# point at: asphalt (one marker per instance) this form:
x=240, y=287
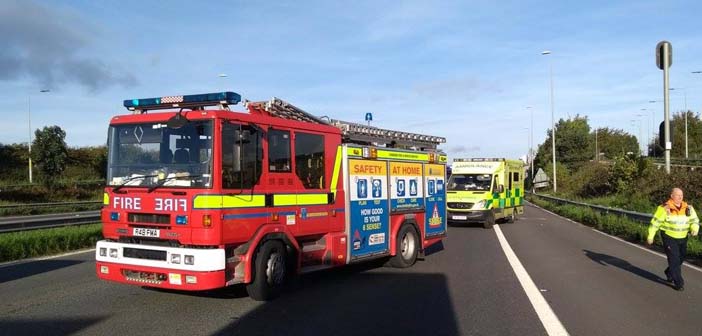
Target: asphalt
x=596, y=285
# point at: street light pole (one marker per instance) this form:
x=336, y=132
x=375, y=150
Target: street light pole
x=553, y=122
x=29, y=126
x=531, y=143
x=685, y=97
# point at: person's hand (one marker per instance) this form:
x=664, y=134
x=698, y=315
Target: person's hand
x=649, y=241
x=694, y=233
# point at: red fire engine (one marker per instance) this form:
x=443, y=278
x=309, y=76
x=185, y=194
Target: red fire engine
x=201, y=197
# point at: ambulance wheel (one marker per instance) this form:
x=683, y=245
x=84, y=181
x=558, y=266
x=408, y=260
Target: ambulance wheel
x=513, y=217
x=407, y=247
x=489, y=220
x=269, y=271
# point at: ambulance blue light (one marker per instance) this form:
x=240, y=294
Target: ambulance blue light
x=205, y=99
x=181, y=220
x=114, y=216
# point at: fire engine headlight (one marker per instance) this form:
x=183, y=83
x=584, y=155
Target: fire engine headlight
x=175, y=258
x=189, y=260
x=113, y=253
x=103, y=252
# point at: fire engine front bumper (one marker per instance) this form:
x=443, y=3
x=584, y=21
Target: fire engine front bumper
x=162, y=267
x=467, y=216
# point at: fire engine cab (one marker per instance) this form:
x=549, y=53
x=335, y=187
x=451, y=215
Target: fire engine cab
x=201, y=197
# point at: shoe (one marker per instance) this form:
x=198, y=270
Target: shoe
x=679, y=288
x=668, y=278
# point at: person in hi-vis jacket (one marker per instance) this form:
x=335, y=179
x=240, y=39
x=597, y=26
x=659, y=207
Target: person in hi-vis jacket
x=675, y=218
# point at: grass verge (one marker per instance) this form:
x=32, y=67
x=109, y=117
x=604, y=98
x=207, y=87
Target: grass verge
x=36, y=243
x=615, y=225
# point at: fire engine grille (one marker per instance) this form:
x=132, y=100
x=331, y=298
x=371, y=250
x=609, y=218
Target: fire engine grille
x=149, y=218
x=459, y=205
x=144, y=254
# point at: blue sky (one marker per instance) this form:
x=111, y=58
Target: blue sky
x=465, y=70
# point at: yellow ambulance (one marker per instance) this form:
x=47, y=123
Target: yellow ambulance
x=485, y=190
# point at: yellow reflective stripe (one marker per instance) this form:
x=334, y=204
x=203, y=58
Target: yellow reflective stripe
x=105, y=199
x=312, y=199
x=299, y=199
x=352, y=151
x=676, y=229
x=387, y=154
x=337, y=169
x=282, y=199
x=220, y=201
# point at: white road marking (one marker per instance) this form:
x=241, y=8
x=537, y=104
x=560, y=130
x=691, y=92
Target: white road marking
x=548, y=318
x=698, y=269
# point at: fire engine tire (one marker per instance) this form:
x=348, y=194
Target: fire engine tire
x=407, y=247
x=489, y=220
x=269, y=273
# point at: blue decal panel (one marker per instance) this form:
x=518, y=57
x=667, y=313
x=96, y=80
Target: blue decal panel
x=435, y=215
x=370, y=218
x=406, y=187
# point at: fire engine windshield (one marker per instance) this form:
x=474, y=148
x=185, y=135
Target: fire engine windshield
x=469, y=182
x=154, y=155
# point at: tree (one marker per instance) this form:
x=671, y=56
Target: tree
x=50, y=153
x=614, y=143
x=572, y=144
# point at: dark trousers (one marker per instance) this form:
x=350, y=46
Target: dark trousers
x=675, y=250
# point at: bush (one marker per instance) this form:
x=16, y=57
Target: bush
x=35, y=243
x=591, y=180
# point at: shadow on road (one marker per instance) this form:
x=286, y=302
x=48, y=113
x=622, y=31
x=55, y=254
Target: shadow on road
x=23, y=270
x=65, y=326
x=608, y=260
x=350, y=301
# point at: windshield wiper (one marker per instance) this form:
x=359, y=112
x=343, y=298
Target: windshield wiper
x=131, y=179
x=162, y=182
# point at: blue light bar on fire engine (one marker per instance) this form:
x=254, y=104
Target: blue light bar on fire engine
x=198, y=100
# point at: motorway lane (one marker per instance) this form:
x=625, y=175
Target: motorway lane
x=467, y=289
x=597, y=285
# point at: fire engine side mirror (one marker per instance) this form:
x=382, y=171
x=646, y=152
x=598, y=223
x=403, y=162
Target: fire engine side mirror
x=501, y=188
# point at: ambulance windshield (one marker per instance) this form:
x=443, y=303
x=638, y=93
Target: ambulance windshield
x=470, y=182
x=152, y=154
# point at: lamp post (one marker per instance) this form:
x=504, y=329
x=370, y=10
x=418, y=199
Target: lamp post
x=553, y=123
x=29, y=127
x=531, y=142
x=685, y=97
x=640, y=120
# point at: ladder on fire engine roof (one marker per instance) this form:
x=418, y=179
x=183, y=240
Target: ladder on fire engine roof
x=353, y=132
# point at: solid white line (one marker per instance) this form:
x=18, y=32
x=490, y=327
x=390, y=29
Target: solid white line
x=23, y=261
x=548, y=318
x=645, y=249
x=698, y=269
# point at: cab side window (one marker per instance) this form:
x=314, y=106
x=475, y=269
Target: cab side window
x=279, y=151
x=309, y=159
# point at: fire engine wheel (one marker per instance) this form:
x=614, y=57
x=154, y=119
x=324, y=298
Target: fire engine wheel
x=407, y=247
x=489, y=220
x=269, y=271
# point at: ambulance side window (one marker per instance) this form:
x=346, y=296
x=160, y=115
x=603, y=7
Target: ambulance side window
x=309, y=159
x=279, y=151
x=511, y=175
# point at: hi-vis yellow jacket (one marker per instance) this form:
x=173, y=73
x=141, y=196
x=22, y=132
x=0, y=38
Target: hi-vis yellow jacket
x=675, y=222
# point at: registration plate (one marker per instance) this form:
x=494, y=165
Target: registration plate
x=459, y=217
x=142, y=232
